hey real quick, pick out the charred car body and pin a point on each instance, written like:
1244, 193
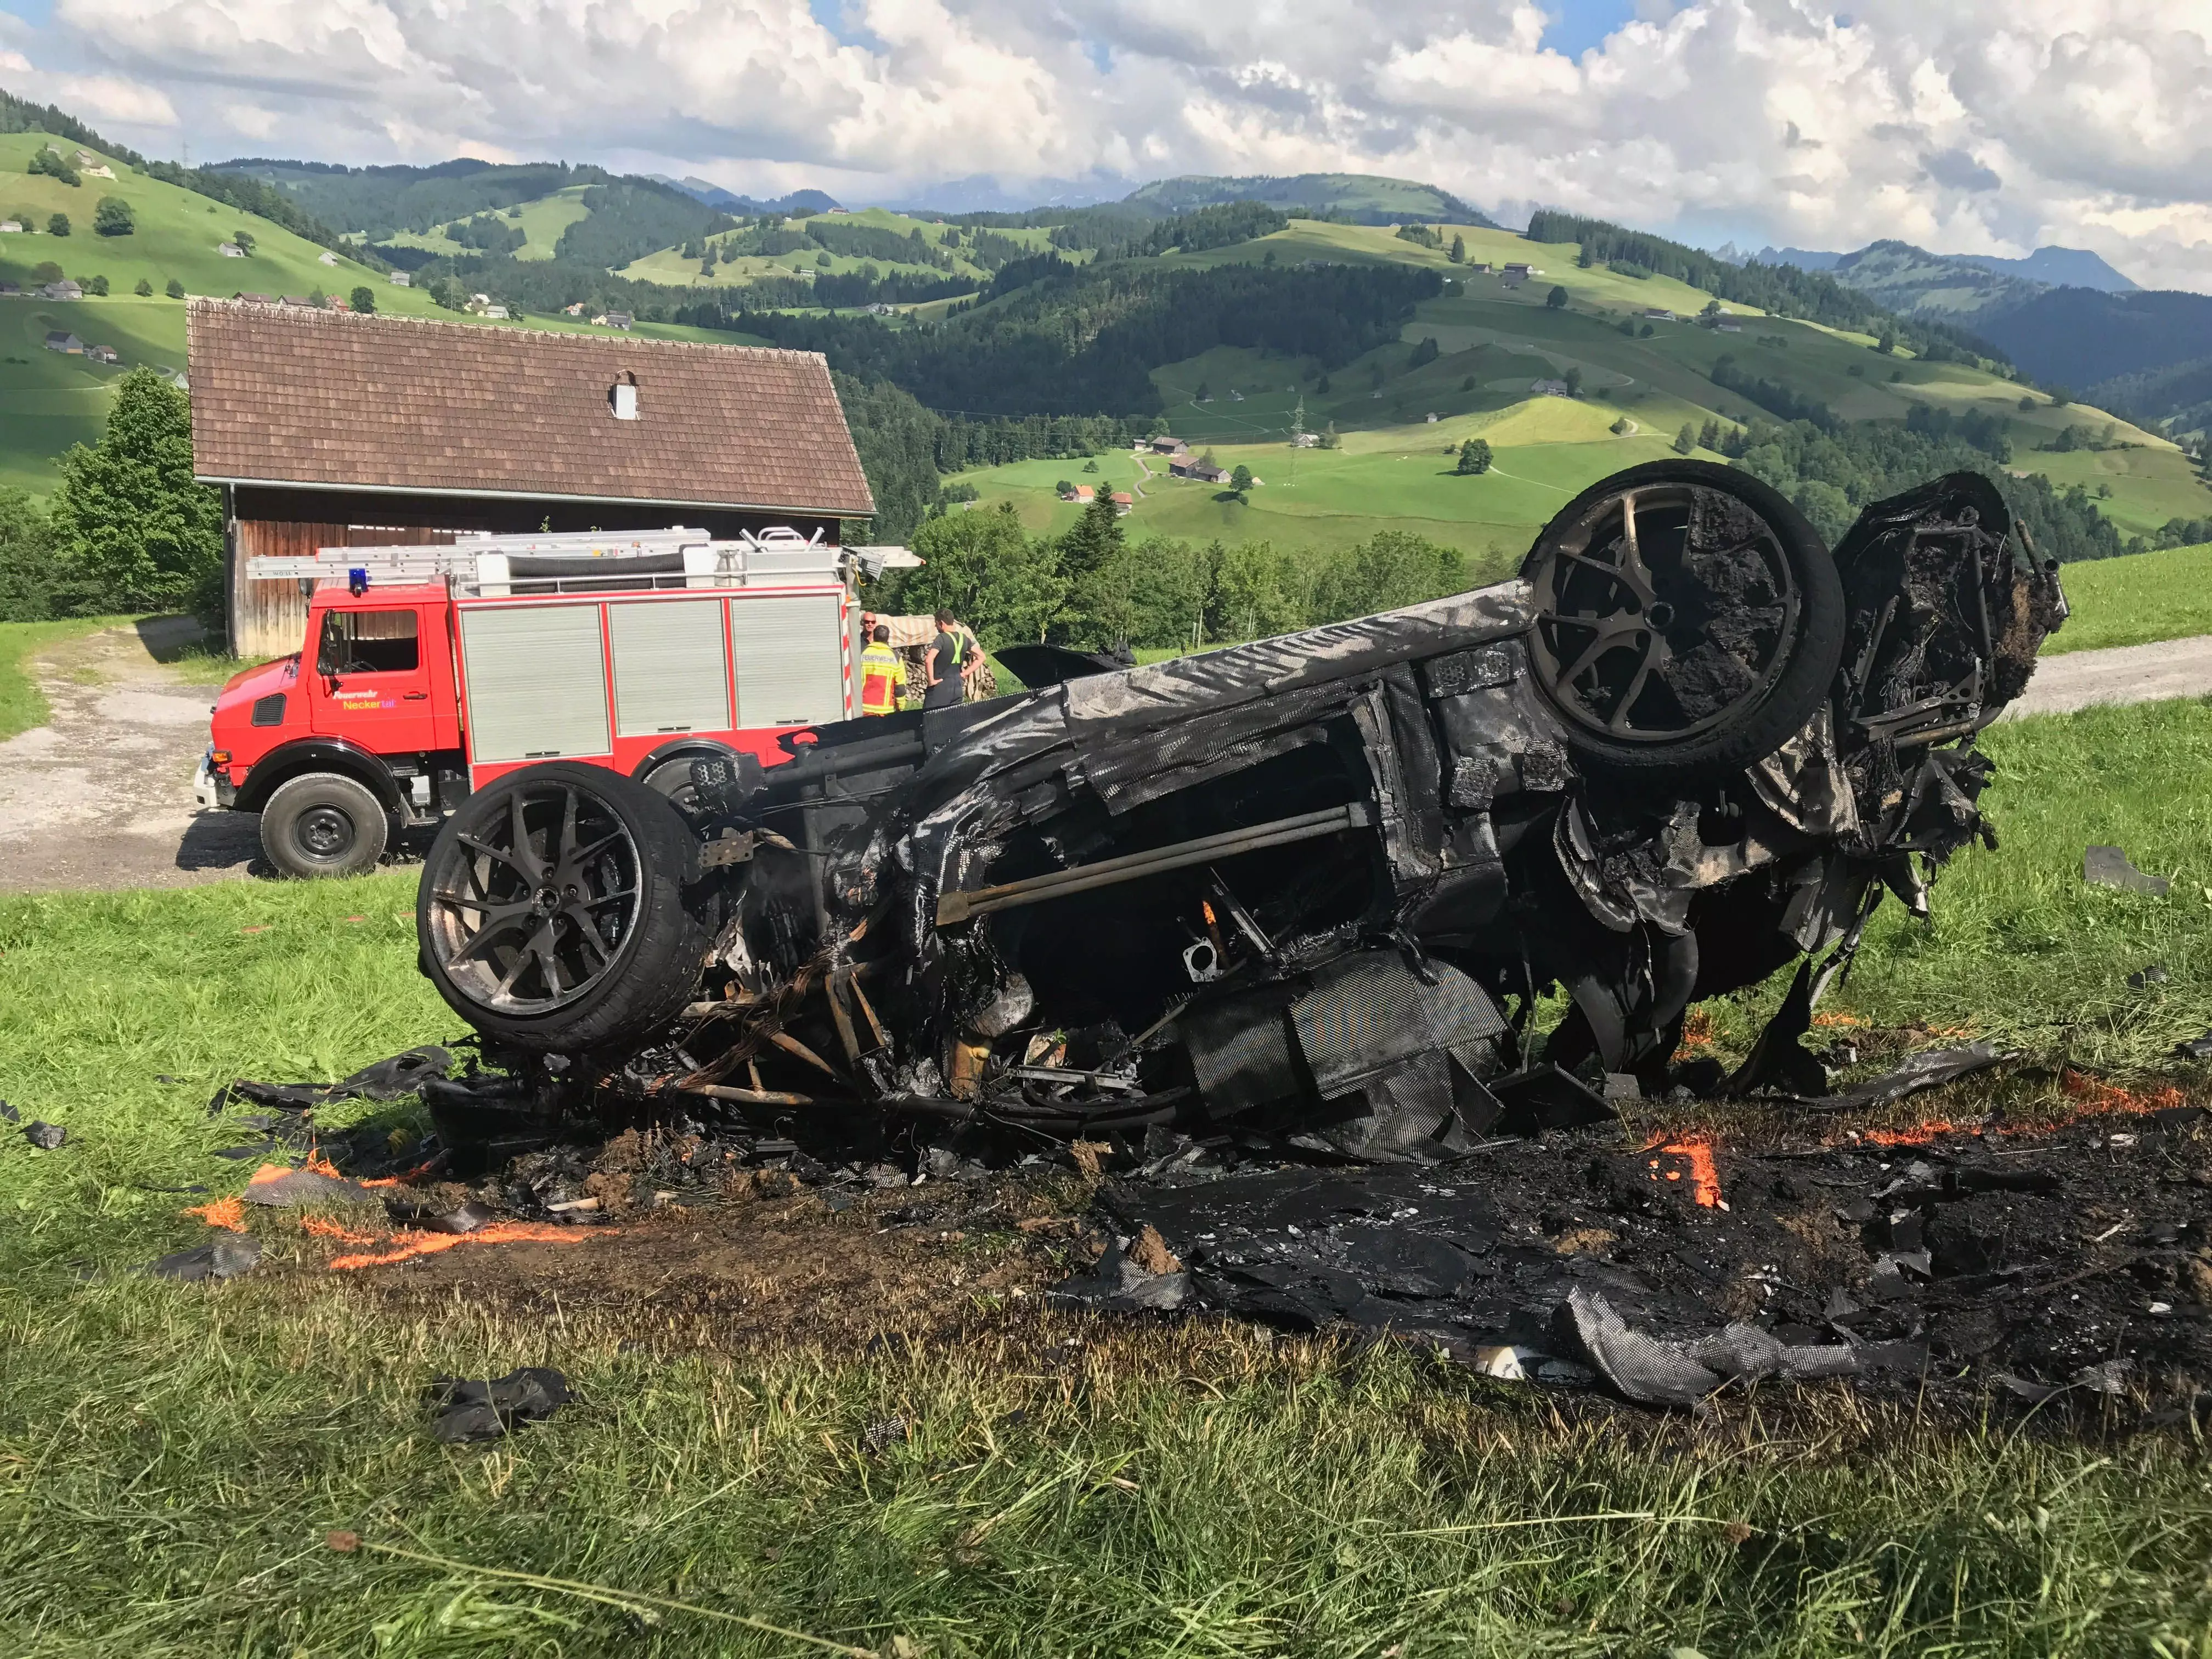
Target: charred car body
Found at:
1310, 889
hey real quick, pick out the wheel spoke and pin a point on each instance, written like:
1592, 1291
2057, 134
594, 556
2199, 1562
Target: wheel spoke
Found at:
588, 931
1654, 653
497, 924
492, 853
522, 959
518, 834
570, 861
619, 893
1633, 572
567, 852
541, 946
1619, 573
1610, 640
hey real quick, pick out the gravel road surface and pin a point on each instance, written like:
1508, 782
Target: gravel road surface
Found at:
101, 796
2125, 674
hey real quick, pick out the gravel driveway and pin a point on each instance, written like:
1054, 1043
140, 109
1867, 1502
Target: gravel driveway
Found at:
101, 796
2125, 673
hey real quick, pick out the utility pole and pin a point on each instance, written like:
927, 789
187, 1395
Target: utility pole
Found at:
1297, 438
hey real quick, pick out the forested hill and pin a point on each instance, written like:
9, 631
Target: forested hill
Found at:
1783, 290
1084, 342
1358, 199
377, 201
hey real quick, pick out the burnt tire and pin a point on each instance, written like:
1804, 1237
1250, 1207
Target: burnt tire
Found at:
324, 824
1688, 620
555, 912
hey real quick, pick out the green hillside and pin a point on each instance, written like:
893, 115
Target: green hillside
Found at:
1492, 343
49, 400
1910, 279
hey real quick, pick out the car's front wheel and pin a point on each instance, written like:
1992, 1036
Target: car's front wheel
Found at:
553, 913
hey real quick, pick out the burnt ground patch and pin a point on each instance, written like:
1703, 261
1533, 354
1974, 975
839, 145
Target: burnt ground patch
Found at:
2060, 1265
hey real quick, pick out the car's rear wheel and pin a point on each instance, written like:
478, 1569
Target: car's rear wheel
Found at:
324, 824
1688, 619
553, 912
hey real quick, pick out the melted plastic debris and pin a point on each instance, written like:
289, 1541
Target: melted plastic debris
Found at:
469, 1410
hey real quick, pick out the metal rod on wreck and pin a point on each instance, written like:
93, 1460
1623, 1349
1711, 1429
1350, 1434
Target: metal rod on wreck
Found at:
747, 1097
958, 906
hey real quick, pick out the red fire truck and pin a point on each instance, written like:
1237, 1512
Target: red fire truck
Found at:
428, 670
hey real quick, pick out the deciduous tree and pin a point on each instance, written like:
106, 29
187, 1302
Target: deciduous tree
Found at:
132, 530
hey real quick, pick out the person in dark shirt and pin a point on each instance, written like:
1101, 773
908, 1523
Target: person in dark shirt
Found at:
941, 670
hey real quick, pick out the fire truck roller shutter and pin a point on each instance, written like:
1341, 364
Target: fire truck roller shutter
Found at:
537, 681
672, 667
790, 656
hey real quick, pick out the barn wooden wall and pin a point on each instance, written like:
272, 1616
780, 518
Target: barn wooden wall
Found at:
270, 619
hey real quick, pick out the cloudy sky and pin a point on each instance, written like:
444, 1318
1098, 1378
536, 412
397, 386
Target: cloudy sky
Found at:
1964, 126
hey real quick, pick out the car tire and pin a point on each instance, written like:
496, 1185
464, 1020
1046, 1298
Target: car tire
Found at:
594, 933
324, 824
1718, 639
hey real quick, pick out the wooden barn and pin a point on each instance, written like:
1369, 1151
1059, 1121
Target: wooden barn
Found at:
326, 430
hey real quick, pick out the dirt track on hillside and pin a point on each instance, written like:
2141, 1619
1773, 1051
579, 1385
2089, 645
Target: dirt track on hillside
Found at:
2122, 674
101, 795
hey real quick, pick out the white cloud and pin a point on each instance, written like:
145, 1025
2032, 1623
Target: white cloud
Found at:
1967, 128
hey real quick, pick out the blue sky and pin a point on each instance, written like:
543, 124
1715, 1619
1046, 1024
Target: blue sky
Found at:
1578, 25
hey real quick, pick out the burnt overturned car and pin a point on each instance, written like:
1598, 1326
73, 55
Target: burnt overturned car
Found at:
1316, 889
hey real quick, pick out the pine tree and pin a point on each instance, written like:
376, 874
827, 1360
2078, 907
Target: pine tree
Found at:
1685, 441
1094, 541
132, 530
1458, 255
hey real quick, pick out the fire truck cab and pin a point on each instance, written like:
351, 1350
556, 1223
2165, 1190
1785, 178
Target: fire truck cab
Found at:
427, 671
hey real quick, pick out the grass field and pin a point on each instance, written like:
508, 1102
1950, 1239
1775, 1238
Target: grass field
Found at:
171, 1457
2137, 599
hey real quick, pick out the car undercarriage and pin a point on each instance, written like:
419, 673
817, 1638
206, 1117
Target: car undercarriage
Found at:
1324, 891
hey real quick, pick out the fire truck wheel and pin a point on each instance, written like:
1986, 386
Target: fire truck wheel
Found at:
553, 913
323, 824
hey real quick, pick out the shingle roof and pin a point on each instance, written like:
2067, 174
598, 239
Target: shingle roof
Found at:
325, 398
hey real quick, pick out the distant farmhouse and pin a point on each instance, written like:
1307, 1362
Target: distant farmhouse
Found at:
61, 340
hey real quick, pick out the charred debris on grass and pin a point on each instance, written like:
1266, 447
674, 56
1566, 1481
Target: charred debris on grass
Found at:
1261, 934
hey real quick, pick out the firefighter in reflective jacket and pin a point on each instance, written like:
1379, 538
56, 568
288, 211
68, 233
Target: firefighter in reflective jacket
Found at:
882, 675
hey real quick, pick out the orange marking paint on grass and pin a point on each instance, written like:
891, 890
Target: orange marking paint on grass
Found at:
405, 1247
2111, 1097
1838, 1019
323, 1227
226, 1212
1920, 1134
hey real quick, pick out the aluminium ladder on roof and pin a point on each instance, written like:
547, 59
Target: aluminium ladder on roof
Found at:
476, 557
